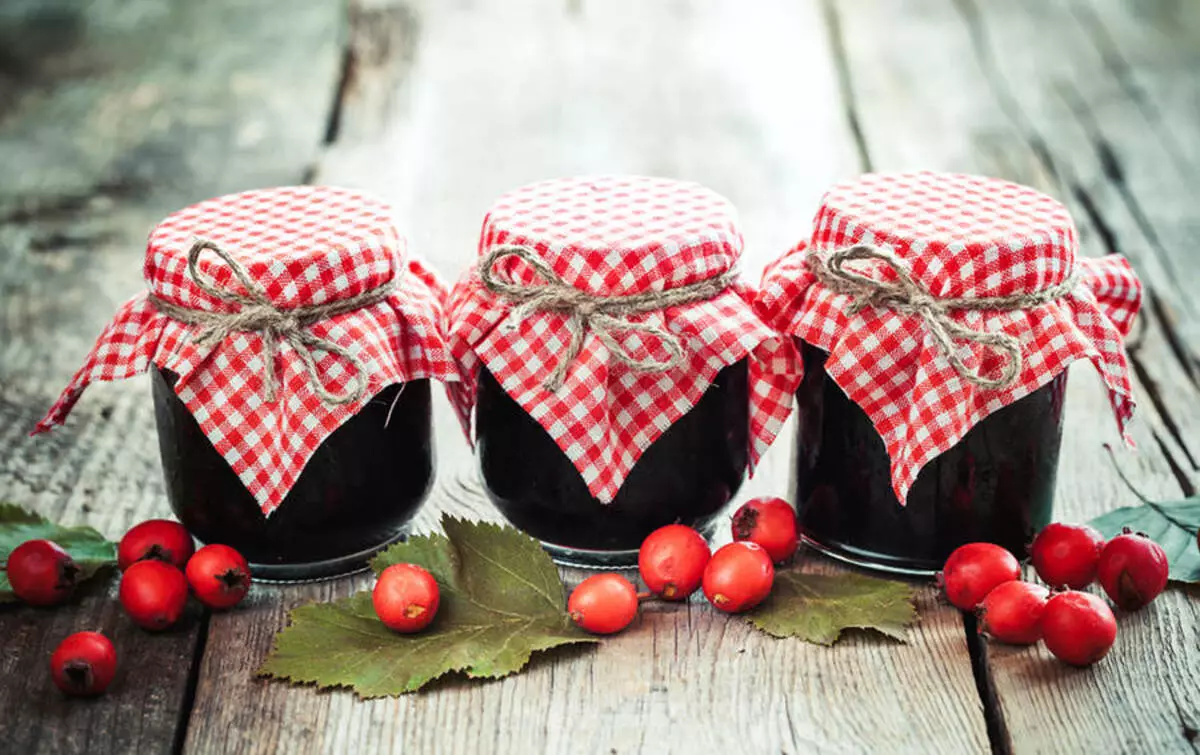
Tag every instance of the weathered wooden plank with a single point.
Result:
(444, 108)
(111, 115)
(1143, 697)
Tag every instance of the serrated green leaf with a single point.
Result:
(1171, 524)
(501, 601)
(87, 546)
(818, 607)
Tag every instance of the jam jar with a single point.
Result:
(356, 494)
(935, 317)
(612, 352)
(996, 484)
(687, 476)
(291, 341)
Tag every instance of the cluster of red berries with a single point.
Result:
(158, 563)
(674, 561)
(1078, 627)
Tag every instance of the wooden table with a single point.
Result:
(112, 114)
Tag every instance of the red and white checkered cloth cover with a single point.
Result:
(304, 245)
(613, 236)
(961, 236)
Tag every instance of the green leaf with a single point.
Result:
(501, 600)
(1171, 524)
(87, 546)
(817, 607)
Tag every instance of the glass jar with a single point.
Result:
(290, 337)
(995, 484)
(687, 476)
(355, 496)
(611, 350)
(935, 317)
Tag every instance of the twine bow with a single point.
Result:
(602, 315)
(257, 314)
(909, 296)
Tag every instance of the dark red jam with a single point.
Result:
(356, 494)
(996, 484)
(687, 475)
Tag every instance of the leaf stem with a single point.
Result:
(1155, 505)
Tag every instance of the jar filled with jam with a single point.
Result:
(609, 353)
(291, 341)
(357, 493)
(936, 316)
(995, 484)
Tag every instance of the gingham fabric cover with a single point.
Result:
(617, 236)
(961, 236)
(304, 245)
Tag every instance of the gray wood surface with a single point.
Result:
(656, 687)
(1144, 697)
(111, 115)
(115, 114)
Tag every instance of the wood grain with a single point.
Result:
(1143, 697)
(111, 115)
(114, 113)
(471, 101)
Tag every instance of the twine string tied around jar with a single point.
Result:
(907, 295)
(605, 316)
(256, 313)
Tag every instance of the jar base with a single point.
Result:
(879, 562)
(582, 558)
(320, 571)
(590, 559)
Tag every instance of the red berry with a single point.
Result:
(219, 576)
(738, 577)
(770, 522)
(1133, 570)
(672, 560)
(1065, 555)
(603, 603)
(154, 594)
(406, 598)
(1078, 627)
(159, 539)
(41, 572)
(84, 664)
(975, 569)
(1011, 612)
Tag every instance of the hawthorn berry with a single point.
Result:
(159, 539)
(975, 569)
(603, 603)
(154, 594)
(406, 598)
(41, 572)
(738, 577)
(1133, 570)
(672, 560)
(1065, 555)
(219, 576)
(1078, 627)
(1012, 611)
(84, 664)
(770, 522)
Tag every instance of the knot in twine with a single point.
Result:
(907, 295)
(602, 315)
(257, 314)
